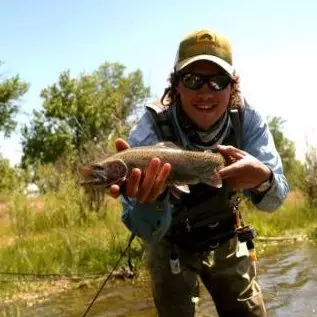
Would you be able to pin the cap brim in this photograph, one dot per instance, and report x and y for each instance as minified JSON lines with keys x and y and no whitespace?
{"x":220,"y":62}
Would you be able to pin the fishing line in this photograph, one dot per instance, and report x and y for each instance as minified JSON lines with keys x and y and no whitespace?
{"x":108,"y":277}
{"x":84,"y":275}
{"x":11,"y":277}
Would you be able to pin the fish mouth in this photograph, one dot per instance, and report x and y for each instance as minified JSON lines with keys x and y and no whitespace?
{"x":113,"y":172}
{"x":94,"y":182}
{"x":97,"y":177}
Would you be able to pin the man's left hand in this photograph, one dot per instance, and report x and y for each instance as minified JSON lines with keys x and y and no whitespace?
{"x":246,"y":171}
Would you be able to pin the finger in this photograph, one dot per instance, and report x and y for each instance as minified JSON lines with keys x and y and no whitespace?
{"x":160,"y":182}
{"x":115,"y":191}
{"x":149,"y":178}
{"x":133,"y":182}
{"x":121,"y":144}
{"x":232,"y":151}
{"x":229,"y":171}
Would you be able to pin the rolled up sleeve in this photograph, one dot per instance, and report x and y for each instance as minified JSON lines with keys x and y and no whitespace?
{"x":258,"y":141}
{"x":149,"y":221}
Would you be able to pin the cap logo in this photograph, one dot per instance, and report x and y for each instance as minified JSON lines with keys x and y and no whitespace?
{"x":205,"y":37}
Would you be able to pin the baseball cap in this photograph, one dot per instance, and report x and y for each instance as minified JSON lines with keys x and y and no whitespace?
{"x":204,"y":44}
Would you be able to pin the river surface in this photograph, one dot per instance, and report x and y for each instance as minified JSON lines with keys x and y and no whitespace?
{"x":287,"y":274}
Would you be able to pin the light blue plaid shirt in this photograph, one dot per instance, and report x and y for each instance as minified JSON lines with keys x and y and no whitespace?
{"x":151,"y":221}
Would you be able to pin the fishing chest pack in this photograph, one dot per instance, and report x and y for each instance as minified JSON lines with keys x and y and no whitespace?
{"x":206,"y":217}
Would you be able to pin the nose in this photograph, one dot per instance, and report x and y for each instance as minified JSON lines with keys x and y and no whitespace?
{"x":205,"y":89}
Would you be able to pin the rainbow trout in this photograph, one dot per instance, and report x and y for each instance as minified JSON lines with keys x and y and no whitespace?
{"x":188,"y":167}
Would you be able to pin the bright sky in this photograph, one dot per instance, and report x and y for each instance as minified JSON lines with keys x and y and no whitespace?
{"x":274,"y":42}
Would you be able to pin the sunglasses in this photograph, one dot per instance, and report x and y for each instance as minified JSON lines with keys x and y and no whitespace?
{"x":196,"y":81}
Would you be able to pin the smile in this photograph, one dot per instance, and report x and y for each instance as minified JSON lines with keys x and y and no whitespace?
{"x":204,"y":106}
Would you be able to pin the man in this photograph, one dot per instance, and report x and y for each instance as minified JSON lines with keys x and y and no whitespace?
{"x":196,"y":234}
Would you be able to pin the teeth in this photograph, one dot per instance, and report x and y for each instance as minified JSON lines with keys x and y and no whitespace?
{"x":204,"y":106}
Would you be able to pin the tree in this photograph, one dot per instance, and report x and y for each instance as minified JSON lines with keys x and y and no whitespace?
{"x":311,"y":176}
{"x":80,"y":111}
{"x":11,"y":90}
{"x":11,"y":178}
{"x":293,"y":168}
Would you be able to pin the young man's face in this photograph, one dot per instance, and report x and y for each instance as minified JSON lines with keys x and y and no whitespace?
{"x":204,"y":106}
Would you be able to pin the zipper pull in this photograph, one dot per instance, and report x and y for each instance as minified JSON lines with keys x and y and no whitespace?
{"x":174,"y":263}
{"x":188,"y":227}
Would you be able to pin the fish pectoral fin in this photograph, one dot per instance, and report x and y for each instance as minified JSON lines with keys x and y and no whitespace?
{"x":214,"y":183}
{"x":183,"y":188}
{"x":178,"y":190}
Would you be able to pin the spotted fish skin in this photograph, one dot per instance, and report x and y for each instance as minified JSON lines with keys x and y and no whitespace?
{"x":188,"y":167}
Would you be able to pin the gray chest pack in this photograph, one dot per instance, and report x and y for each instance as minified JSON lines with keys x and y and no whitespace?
{"x":207,"y":217}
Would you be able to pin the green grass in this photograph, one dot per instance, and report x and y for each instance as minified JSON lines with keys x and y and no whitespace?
{"x":294,"y":217}
{"x":58,"y":233}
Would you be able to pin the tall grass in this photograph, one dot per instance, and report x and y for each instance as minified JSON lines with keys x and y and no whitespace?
{"x":59,"y":233}
{"x":294,"y":217}
{"x":65,"y":208}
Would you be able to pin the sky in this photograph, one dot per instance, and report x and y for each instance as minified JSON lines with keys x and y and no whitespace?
{"x":274,"y":50}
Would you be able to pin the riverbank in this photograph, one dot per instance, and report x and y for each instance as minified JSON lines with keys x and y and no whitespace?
{"x":52,"y":294}
{"x":63,"y":250}
{"x":287,"y":274}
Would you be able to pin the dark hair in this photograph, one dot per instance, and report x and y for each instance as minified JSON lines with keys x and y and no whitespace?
{"x":171,"y":96}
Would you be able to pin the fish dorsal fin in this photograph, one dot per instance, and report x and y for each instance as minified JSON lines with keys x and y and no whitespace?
{"x":167,"y":144}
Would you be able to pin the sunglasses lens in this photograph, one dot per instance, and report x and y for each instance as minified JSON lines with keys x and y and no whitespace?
{"x":219,"y":82}
{"x":215,"y":82}
{"x":192,"y":81}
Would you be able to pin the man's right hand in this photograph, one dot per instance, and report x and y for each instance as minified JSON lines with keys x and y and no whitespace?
{"x":146,"y":186}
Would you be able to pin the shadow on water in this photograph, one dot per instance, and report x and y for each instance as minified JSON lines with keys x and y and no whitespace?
{"x":287,"y":274}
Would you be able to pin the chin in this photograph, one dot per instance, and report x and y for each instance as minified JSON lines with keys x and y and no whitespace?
{"x":206,"y":123}
{"x":204,"y":127}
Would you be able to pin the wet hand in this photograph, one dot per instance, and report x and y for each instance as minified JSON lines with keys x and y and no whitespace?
{"x":246,"y":171}
{"x":146,"y":186}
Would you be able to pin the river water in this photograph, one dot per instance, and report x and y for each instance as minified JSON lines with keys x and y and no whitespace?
{"x":287,"y":274}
